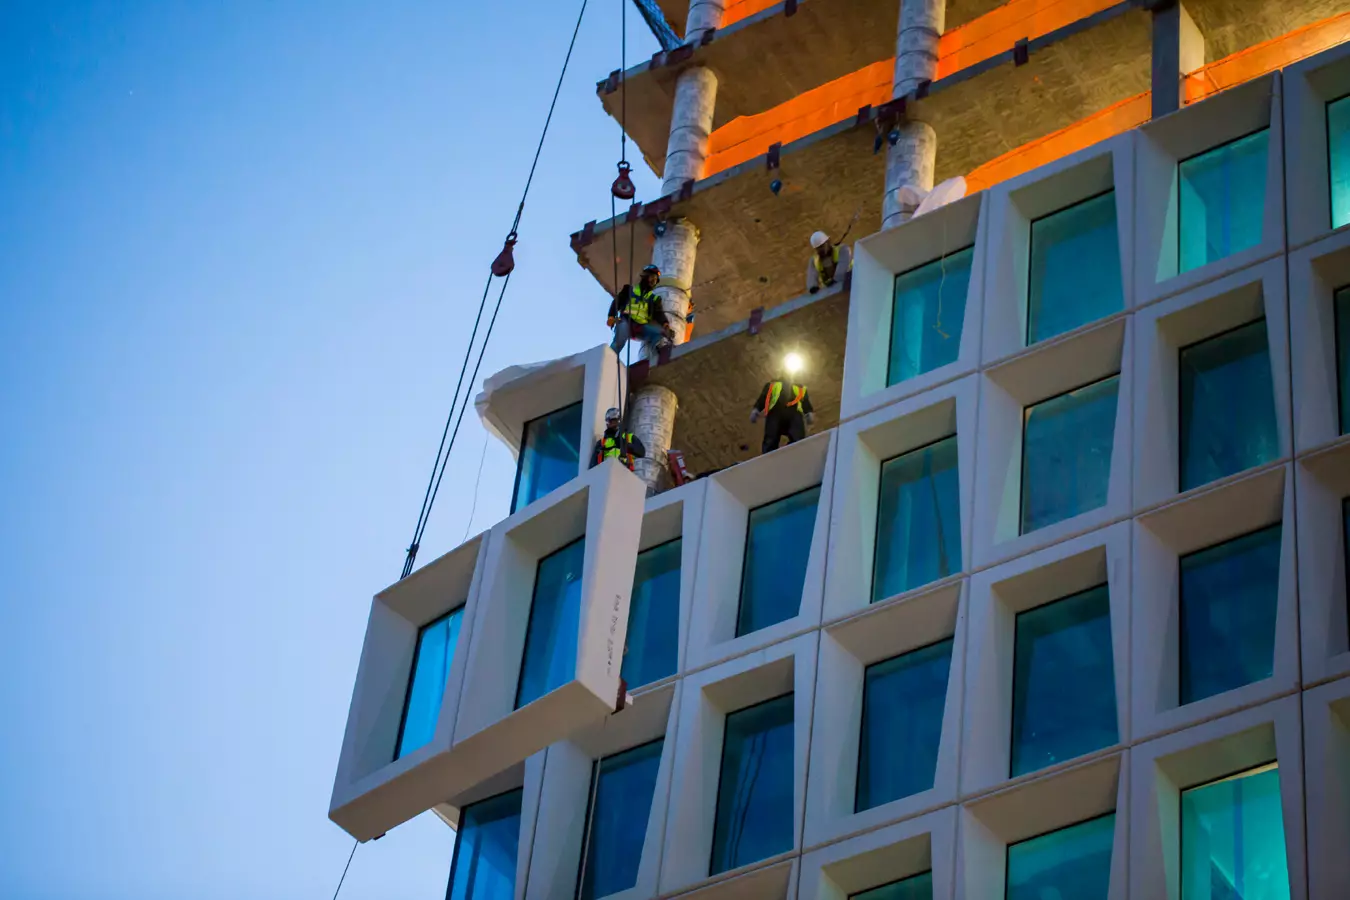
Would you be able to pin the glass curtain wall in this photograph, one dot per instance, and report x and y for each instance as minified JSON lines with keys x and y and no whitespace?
{"x":777,"y":547}
{"x":432,"y":658}
{"x":622,"y":787}
{"x":550,"y":657}
{"x":1338,"y":154}
{"x":754,"y":818}
{"x":1221,"y":203}
{"x":927,"y":315}
{"x":484,"y":866}
{"x":550,"y":455}
{"x":1066,"y":453}
{"x":1343,"y":356}
{"x":918,"y":520}
{"x":919,"y":887}
{"x":1071,"y":862}
{"x":1075,"y":268}
{"x":1232,"y":839}
{"x":654,"y":616}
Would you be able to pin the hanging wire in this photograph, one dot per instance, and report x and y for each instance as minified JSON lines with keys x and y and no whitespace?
{"x":355,"y":844}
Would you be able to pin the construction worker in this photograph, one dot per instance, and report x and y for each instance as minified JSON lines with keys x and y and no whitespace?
{"x":612,"y":443}
{"x":828,"y":263}
{"x":636,"y":312}
{"x":784,"y":407}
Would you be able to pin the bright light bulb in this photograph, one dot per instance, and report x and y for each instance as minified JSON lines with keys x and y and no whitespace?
{"x":793,"y":363}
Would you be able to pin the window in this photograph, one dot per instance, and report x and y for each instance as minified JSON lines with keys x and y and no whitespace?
{"x":1072,"y":862}
{"x":1232,"y":839}
{"x":550,"y":656}
{"x":654,"y":616}
{"x":1229,"y":594}
{"x":920,"y":887}
{"x":754,"y":817}
{"x":1338,"y":153}
{"x":434,"y":653}
{"x":621,"y":802}
{"x":927,"y":316}
{"x":550,"y":455}
{"x":484,"y":866}
{"x":1075,"y":268}
{"x":1064,"y":685}
{"x":1066,"y":453}
{"x":918,"y":520}
{"x":1343,"y":354}
{"x":903,"y":700}
{"x":1227,"y":405}
{"x":777,"y":546}
{"x":1222,"y":197}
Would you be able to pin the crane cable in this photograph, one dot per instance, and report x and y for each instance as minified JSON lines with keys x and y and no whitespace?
{"x":621,"y":387}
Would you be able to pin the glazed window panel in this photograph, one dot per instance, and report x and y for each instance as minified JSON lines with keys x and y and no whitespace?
{"x":1071,"y":862}
{"x":432,"y":658}
{"x":1075,"y":268}
{"x":1066,"y":453}
{"x":777,"y":547}
{"x":550,"y":454}
{"x":1222,"y":196}
{"x":927,"y":314}
{"x":1338,"y":155}
{"x":486,"y":845}
{"x":616,"y":830}
{"x":754,"y":818}
{"x":654,"y":616}
{"x":918,"y":520}
{"x":1342,"y":301}
{"x":1232,"y":839}
{"x":550,"y":657}
{"x":919,"y":887}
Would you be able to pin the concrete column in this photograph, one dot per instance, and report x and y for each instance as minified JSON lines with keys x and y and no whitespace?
{"x":651,"y":416}
{"x":703,"y":16}
{"x":674,"y":255}
{"x":912,"y":159}
{"x":691,"y":123}
{"x":1178,"y":48}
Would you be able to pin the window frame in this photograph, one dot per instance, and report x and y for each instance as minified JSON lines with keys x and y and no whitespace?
{"x":455,"y":858}
{"x":525,"y":648}
{"x":1031,"y":254}
{"x":1331,"y":178}
{"x":1337,"y":349}
{"x":678,"y":591}
{"x":520,"y":459}
{"x":745,"y":557}
{"x":721,"y":770}
{"x":590,"y":804}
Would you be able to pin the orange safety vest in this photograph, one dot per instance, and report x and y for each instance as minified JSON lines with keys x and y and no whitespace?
{"x":776,"y":391}
{"x":610,"y":448}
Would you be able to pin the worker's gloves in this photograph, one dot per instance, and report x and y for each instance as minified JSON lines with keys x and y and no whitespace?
{"x":611,"y":321}
{"x":810,"y":418}
{"x":754,"y":416}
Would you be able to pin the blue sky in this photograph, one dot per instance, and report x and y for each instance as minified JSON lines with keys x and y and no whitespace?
{"x":241,"y":244}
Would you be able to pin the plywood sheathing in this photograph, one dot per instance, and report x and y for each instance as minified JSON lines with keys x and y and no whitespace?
{"x":1230,"y":26}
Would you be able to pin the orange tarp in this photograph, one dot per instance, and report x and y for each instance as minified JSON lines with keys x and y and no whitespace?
{"x":735,"y":10}
{"x":1267,"y":57}
{"x":996,"y":31}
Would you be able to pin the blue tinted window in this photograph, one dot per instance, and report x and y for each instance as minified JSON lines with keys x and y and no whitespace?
{"x":549,"y":455}
{"x":485,"y":850}
{"x":1222,"y":200}
{"x":1227,"y":405}
{"x":550,"y":659}
{"x":621,"y":803}
{"x":777,"y":545}
{"x":426,"y":685}
{"x":918,"y":520}
{"x":1232,"y":839}
{"x":903,"y":700}
{"x":754,"y":817}
{"x":654,"y":616}
{"x":920,"y":887}
{"x":1338,"y":147}
{"x":1229,"y":594}
{"x":1075,"y":268}
{"x":1074,"y":862}
{"x":1343,"y":355}
{"x":1064,"y":686}
{"x":1066,"y":453}
{"x":926,"y":318}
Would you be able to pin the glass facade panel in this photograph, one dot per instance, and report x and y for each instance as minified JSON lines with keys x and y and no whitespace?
{"x":426,"y":684}
{"x":621,"y":803}
{"x":920,"y":887}
{"x":654,"y":616}
{"x":1072,"y":862}
{"x":1232,"y":839}
{"x":550,"y":454}
{"x":1064,"y":686}
{"x":903,"y":700}
{"x":777,"y":546}
{"x":927,"y":316}
{"x":484,"y":866}
{"x":1222,"y":197}
{"x":1343,"y":355}
{"x":1066,"y":453}
{"x":1075,"y":268}
{"x":1338,"y":154}
{"x":918,"y":520}
{"x":754,"y":818}
{"x":1227,"y":405}
{"x":550,"y":658}
{"x":1229,"y":594}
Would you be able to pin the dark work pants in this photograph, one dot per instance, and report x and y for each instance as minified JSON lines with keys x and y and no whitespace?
{"x":787,"y":423}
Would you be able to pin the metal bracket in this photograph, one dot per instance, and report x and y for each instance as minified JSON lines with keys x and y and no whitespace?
{"x":634,"y":213}
{"x":771,"y":161}
{"x":637,"y":374}
{"x":679,"y":54}
{"x":921,"y":89}
{"x":658,"y":208}
{"x":756,"y":319}
{"x":790,"y":7}
{"x":1021,"y":53}
{"x":707,"y":37}
{"x":612,"y":83}
{"x":892,"y":110}
{"x":864,"y":115}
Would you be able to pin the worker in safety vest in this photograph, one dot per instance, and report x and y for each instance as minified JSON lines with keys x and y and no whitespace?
{"x":786,"y":411}
{"x":828,"y":263}
{"x":636,"y":313}
{"x":612,"y":444}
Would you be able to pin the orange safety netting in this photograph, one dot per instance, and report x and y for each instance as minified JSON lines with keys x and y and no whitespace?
{"x":735,"y":10}
{"x":1267,"y":57}
{"x":996,"y":31}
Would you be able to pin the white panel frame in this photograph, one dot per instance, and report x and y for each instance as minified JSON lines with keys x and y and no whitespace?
{"x":1309,"y":85}
{"x":1326,"y":749}
{"x":1323,"y":484}
{"x":885,"y":855}
{"x":1316,"y":272}
{"x":677,"y":513}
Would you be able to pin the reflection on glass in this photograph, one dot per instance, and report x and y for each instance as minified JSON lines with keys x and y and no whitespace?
{"x":430,"y":671}
{"x":777,"y":546}
{"x":1066,"y":453}
{"x":1227,"y":405}
{"x":920,"y":887}
{"x":484,"y":866}
{"x":1229,"y":595}
{"x":903,"y":700}
{"x":1075,"y":268}
{"x":1072,"y":862}
{"x":621,"y":803}
{"x":550,"y":658}
{"x":1232,"y":839}
{"x":1343,"y":355}
{"x":1064,"y":686}
{"x":918,"y":520}
{"x":1222,"y":197}
{"x":754,"y":818}
{"x":1338,"y":154}
{"x":653,"y":616}
{"x":549,"y":455}
{"x":927,"y":316}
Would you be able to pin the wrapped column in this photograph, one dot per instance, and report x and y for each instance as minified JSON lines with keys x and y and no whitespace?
{"x":912,"y":159}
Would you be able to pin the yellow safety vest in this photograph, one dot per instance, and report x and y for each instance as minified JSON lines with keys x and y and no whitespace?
{"x":776,"y":391}
{"x":610,"y":448}
{"x":638,"y":309}
{"x":820,"y":269}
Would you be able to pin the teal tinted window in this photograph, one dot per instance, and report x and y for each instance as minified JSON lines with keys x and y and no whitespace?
{"x":1227,"y":405}
{"x":1343,"y":355}
{"x":1338,"y":154}
{"x":777,"y":545}
{"x":621,"y":802}
{"x":918,"y":520}
{"x":549,"y":455}
{"x":1229,"y":594}
{"x":555,"y":617}
{"x":1075,"y":268}
{"x":903,"y":700}
{"x":654,"y":616}
{"x":1064,"y":686}
{"x":1222,"y":196}
{"x":484,"y":867}
{"x":1232,"y":839}
{"x":432,"y":657}
{"x":1066,"y":453}
{"x":926,"y":318}
{"x":920,"y":887}
{"x":1072,"y":862}
{"x":754,"y":817}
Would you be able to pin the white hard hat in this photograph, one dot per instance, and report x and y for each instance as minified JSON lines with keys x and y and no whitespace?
{"x":819,"y":239}
{"x":611,"y":413}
